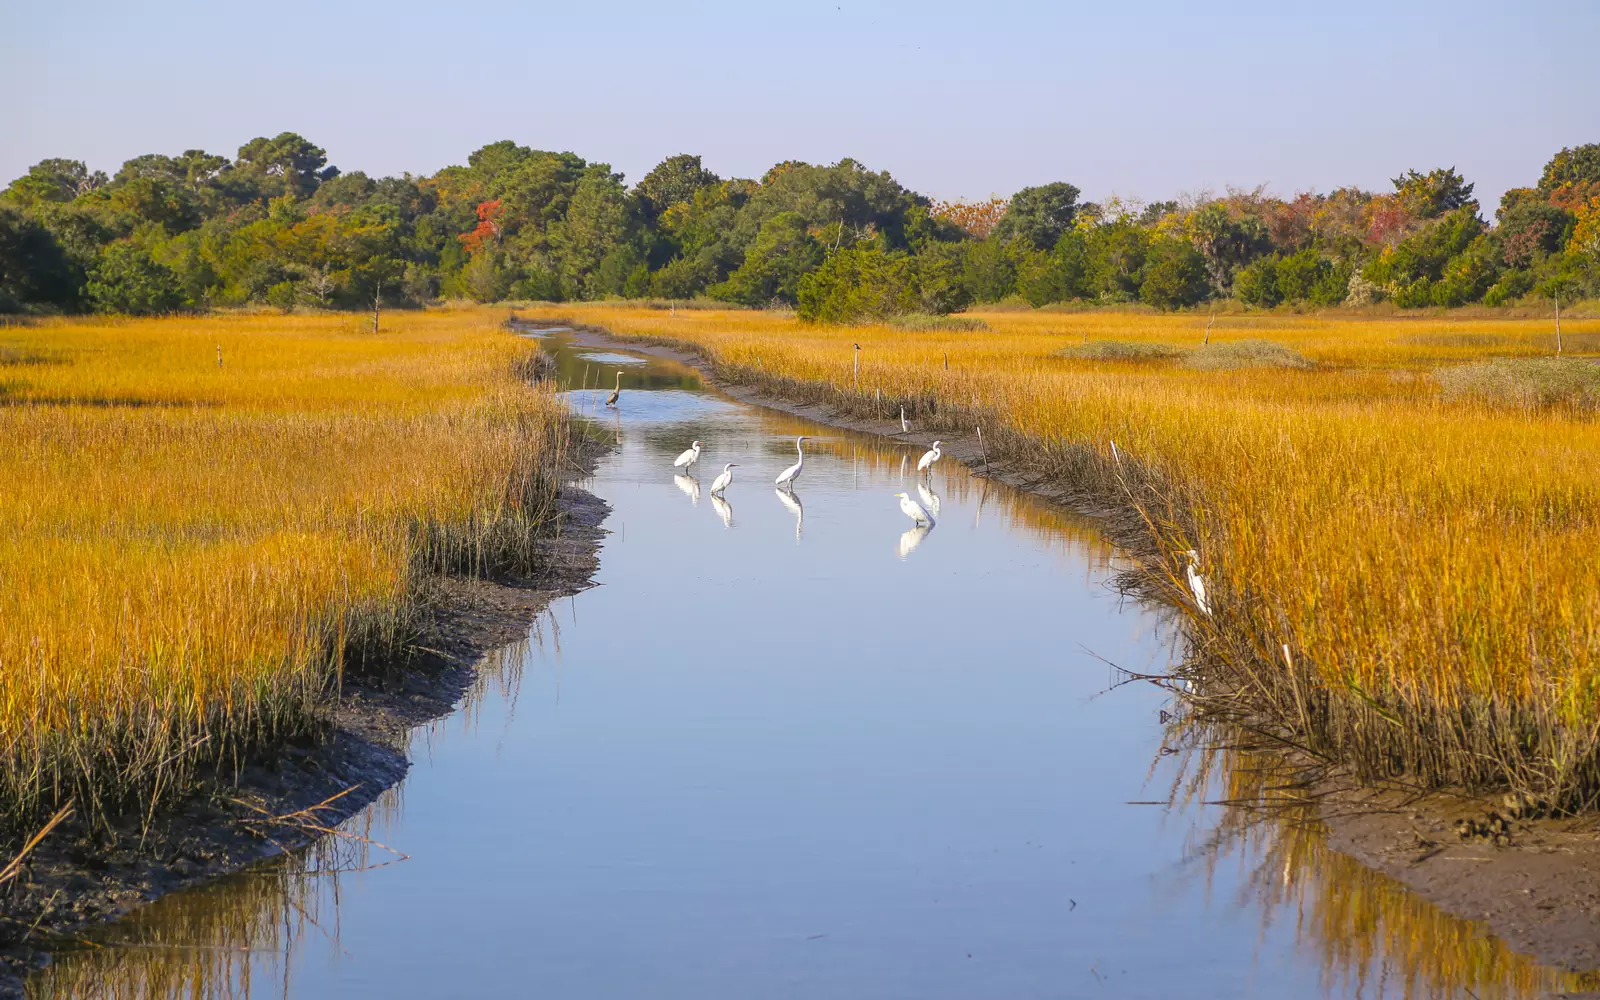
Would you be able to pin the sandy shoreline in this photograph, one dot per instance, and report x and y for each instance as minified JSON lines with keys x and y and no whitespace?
{"x":67,"y":887}
{"x":1540,"y":894}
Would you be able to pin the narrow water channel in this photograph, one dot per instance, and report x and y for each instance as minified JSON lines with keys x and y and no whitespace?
{"x":791,"y":746}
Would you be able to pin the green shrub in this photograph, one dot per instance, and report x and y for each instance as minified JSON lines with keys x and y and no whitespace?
{"x":1119,"y":350}
{"x":928,"y":321}
{"x":858,"y":284}
{"x":127,"y":280}
{"x":1245,"y":354}
{"x":1524,"y":383}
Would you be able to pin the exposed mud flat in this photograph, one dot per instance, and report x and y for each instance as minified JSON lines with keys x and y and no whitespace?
{"x":70,"y":882}
{"x":1540,"y":893}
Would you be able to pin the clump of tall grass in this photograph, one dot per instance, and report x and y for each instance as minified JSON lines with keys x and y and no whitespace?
{"x":191,"y":553}
{"x":1245,"y":354}
{"x":1429,"y":571}
{"x":1119,"y":350}
{"x":1524,"y":383}
{"x":923,"y":322}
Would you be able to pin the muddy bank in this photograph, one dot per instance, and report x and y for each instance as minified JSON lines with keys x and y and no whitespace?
{"x":278,"y":804}
{"x":1540,"y":892}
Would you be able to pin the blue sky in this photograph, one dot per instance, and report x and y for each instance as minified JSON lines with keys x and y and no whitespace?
{"x":1146,"y":100}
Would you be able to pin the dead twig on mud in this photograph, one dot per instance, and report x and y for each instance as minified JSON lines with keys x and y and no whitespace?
{"x":11,"y":870}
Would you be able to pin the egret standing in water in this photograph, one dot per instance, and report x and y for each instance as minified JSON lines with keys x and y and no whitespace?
{"x":687,"y":459}
{"x":905,"y":425}
{"x":1197,"y":584}
{"x":789,"y":475}
{"x":616,"y":393}
{"x":929,"y":457}
{"x":722,"y":482}
{"x":915,"y":510}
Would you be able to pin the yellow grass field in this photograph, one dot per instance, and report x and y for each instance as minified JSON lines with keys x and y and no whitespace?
{"x":1430,"y":564}
{"x":189,"y":551}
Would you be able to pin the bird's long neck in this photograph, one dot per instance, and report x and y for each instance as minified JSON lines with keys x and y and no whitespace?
{"x":800,"y":451}
{"x":619,"y":380}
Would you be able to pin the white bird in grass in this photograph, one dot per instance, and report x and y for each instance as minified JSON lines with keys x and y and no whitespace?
{"x":929,"y":457}
{"x":930,"y":499}
{"x":789,"y":475}
{"x":915,"y":510}
{"x":1197,"y":584}
{"x":687,"y":459}
{"x":905,"y":425}
{"x":721,"y":482}
{"x":616,"y":393}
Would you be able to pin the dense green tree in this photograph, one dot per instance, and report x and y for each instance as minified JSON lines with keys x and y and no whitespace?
{"x":859,"y":283}
{"x":1174,"y":275}
{"x":53,"y":180}
{"x":673,"y":181}
{"x":1256,"y":284}
{"x":1057,"y":276}
{"x":127,"y":280}
{"x":34,"y":269}
{"x":989,"y":270}
{"x":783,"y":252}
{"x":1040,"y":214}
{"x":1114,"y":260}
{"x":595,"y":224}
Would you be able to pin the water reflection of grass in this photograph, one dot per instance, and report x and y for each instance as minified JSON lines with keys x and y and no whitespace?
{"x":1372,"y":936}
{"x":238,"y":937}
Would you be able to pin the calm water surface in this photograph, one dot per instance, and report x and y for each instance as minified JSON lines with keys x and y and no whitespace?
{"x":791,"y":747}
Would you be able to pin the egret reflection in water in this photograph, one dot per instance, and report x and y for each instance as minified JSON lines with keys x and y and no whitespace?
{"x":789,"y":500}
{"x":690,"y":487}
{"x":930,"y":499}
{"x":911,"y":539}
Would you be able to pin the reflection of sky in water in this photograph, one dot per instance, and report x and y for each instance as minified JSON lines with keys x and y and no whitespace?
{"x":791,"y":746}
{"x":606,"y":358}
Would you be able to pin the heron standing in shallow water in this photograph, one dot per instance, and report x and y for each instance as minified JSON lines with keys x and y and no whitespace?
{"x":905,"y":425}
{"x":616,"y":393}
{"x":915,"y":510}
{"x":687,"y":459}
{"x":1197,"y":584}
{"x":789,"y":475}
{"x":929,"y":457}
{"x":723,"y":481}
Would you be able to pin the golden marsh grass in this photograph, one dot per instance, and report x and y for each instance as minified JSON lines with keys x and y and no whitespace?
{"x":1430,"y":564}
{"x":189,"y":552}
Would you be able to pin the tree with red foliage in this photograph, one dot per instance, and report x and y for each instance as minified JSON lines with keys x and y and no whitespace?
{"x":488,"y":227}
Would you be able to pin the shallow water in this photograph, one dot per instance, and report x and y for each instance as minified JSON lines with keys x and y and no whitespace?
{"x":791,"y":746}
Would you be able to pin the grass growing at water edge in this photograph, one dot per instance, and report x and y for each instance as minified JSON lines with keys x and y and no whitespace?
{"x":192,"y":551}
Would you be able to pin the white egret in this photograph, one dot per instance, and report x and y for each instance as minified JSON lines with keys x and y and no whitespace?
{"x":929,"y":457}
{"x":616,"y":393}
{"x":930,"y":499}
{"x":1197,"y":584}
{"x":789,"y":475}
{"x":724,"y":510}
{"x":905,"y":425}
{"x":690,"y":487}
{"x":687,"y":459}
{"x":789,"y":500}
{"x":915,"y":510}
{"x":721,"y":482}
{"x":912,"y":538}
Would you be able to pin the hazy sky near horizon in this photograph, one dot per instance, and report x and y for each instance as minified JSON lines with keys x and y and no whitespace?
{"x":1146,"y":100}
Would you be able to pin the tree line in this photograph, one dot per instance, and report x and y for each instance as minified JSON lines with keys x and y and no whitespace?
{"x":278,"y":225}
